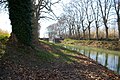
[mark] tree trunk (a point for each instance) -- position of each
(73, 31)
(119, 28)
(20, 14)
(106, 30)
(89, 34)
(70, 33)
(78, 31)
(83, 30)
(35, 30)
(83, 34)
(106, 27)
(97, 36)
(78, 34)
(36, 26)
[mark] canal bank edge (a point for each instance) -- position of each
(111, 45)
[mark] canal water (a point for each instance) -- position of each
(108, 58)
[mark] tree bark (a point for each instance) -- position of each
(70, 32)
(106, 30)
(78, 31)
(20, 14)
(83, 29)
(35, 26)
(83, 34)
(97, 36)
(89, 33)
(35, 30)
(119, 28)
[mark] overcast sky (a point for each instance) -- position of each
(5, 22)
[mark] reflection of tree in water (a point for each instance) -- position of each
(100, 57)
(84, 51)
(106, 60)
(89, 53)
(97, 56)
(118, 66)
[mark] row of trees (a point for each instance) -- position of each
(83, 17)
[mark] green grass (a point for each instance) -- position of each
(4, 34)
(58, 52)
(45, 55)
(87, 48)
(107, 45)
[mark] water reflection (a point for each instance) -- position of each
(118, 65)
(110, 60)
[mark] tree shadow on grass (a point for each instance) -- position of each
(53, 51)
(49, 62)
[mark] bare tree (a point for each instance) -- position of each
(69, 18)
(105, 11)
(89, 16)
(78, 25)
(117, 10)
(41, 7)
(80, 15)
(80, 7)
(95, 9)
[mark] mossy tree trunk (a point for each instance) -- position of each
(36, 26)
(21, 14)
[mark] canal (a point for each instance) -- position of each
(108, 58)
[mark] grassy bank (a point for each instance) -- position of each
(48, 61)
(111, 45)
(3, 39)
(3, 34)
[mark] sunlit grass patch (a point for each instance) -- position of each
(87, 48)
(61, 53)
(45, 56)
(3, 34)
